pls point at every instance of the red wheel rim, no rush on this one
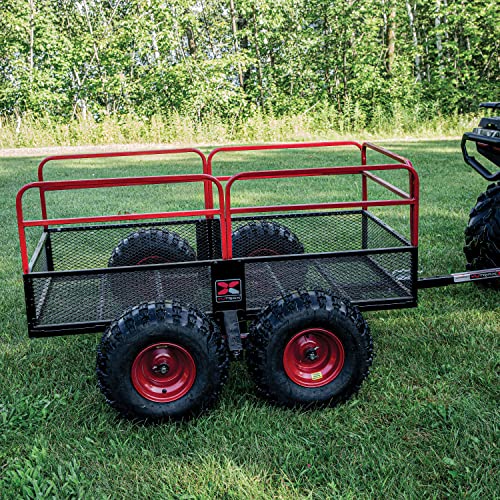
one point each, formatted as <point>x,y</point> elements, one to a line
<point>313,357</point>
<point>163,372</point>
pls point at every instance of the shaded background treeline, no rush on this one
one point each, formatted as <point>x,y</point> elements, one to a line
<point>348,60</point>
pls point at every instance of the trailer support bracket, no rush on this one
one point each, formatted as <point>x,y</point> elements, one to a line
<point>232,327</point>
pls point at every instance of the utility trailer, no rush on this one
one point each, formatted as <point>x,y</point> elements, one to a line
<point>179,293</point>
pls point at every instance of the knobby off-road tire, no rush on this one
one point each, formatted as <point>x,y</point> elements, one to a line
<point>162,361</point>
<point>295,328</point>
<point>482,235</point>
<point>151,246</point>
<point>265,238</point>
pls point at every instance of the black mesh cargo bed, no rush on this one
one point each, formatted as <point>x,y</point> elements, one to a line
<point>360,257</point>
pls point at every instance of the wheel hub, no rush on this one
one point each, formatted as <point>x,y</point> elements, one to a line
<point>311,353</point>
<point>163,372</point>
<point>313,357</point>
<point>161,368</point>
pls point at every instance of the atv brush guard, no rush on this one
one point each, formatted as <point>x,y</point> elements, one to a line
<point>487,139</point>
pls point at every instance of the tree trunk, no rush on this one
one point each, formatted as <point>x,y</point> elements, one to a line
<point>32,40</point>
<point>414,36</point>
<point>445,20</point>
<point>191,41</point>
<point>391,39</point>
<point>257,54</point>
<point>439,45</point>
<point>154,39</point>
<point>241,25</point>
<point>234,30</point>
<point>326,51</point>
<point>427,59</point>
<point>96,54</point>
<point>207,28</point>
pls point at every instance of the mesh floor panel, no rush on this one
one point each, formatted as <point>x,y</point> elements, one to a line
<point>104,296</point>
<point>358,277</point>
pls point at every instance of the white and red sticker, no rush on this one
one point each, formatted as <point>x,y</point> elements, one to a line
<point>228,290</point>
<point>475,275</point>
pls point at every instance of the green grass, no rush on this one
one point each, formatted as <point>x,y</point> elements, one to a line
<point>425,423</point>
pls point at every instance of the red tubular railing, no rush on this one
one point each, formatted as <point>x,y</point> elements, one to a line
<point>385,152</point>
<point>411,199</point>
<point>117,154</point>
<point>413,184</point>
<point>225,211</point>
<point>267,147</point>
<point>45,186</point>
<point>388,185</point>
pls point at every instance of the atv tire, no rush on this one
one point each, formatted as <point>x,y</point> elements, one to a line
<point>162,361</point>
<point>265,238</point>
<point>262,238</point>
<point>482,235</point>
<point>151,246</point>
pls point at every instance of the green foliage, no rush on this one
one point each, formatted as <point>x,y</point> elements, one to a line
<point>323,122</point>
<point>224,61</point>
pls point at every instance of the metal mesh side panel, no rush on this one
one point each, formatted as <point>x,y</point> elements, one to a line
<point>331,232</point>
<point>91,248</point>
<point>398,267</point>
<point>104,296</point>
<point>359,277</point>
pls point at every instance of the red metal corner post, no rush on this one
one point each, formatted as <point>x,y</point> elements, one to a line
<point>364,181</point>
<point>21,228</point>
<point>414,207</point>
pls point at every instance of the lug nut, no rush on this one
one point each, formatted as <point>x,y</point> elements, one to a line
<point>162,368</point>
<point>311,353</point>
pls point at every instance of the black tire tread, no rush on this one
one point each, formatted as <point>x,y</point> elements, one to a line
<point>171,312</point>
<point>174,247</point>
<point>245,237</point>
<point>482,235</point>
<point>276,312</point>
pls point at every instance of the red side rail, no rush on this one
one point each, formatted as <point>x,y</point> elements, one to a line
<point>225,211</point>
<point>411,199</point>
<point>41,166</point>
<point>44,186</point>
<point>207,163</point>
<point>385,152</point>
<point>265,147</point>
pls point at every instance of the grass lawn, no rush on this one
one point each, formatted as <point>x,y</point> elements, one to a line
<point>425,423</point>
